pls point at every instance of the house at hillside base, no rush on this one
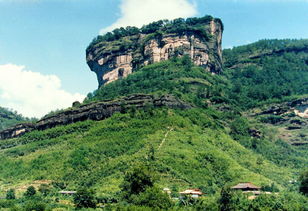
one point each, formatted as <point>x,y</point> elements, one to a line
<point>249,188</point>
<point>194,193</point>
<point>246,186</point>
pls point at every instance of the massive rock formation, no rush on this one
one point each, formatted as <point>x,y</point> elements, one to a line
<point>95,111</point>
<point>118,58</point>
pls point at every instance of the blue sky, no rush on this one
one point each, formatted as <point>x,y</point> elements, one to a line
<point>42,42</point>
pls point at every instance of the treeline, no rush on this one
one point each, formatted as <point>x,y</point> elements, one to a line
<point>179,25</point>
<point>241,54</point>
<point>9,118</point>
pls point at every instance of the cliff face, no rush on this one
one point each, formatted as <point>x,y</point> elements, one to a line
<point>95,111</point>
<point>116,59</point>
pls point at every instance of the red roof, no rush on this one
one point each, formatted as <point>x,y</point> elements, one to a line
<point>245,185</point>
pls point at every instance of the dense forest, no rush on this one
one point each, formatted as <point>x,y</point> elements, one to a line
<point>267,71</point>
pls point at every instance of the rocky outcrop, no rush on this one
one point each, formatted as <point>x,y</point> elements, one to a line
<point>290,118</point>
<point>16,130</point>
<point>114,60</point>
<point>95,111</point>
<point>297,107</point>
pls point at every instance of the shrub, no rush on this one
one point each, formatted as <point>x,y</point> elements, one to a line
<point>84,198</point>
<point>44,189</point>
<point>303,187</point>
<point>137,181</point>
<point>30,192</point>
<point>35,205</point>
<point>153,197</point>
<point>6,203</point>
<point>10,194</point>
<point>272,119</point>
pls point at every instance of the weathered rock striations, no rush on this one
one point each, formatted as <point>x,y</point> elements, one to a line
<point>291,120</point>
<point>294,106</point>
<point>16,130</point>
<point>95,111</point>
<point>116,59</point>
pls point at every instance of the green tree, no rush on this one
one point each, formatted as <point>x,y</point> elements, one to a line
<point>34,205</point>
<point>266,202</point>
<point>153,197</point>
<point>10,194</point>
<point>225,199</point>
<point>137,181</point>
<point>85,198</point>
<point>44,189</point>
<point>303,186</point>
<point>30,192</point>
<point>151,153</point>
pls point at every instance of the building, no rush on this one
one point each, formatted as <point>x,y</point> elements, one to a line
<point>246,186</point>
<point>67,192</point>
<point>194,193</point>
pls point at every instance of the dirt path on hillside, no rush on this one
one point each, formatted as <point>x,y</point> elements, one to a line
<point>165,137</point>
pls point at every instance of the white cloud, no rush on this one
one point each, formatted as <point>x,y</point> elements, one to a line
<point>31,93</point>
<point>140,12</point>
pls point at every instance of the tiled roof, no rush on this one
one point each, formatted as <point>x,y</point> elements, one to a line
<point>245,185</point>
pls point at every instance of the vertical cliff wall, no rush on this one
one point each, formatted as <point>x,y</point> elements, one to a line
<point>116,58</point>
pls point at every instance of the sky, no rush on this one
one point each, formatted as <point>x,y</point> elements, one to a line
<point>43,42</point>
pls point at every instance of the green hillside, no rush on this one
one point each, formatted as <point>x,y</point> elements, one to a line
<point>267,71</point>
<point>211,146</point>
<point>9,118</point>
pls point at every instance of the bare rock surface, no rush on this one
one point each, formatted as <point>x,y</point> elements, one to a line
<point>117,59</point>
<point>95,111</point>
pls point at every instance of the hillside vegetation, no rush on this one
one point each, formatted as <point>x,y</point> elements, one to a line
<point>9,118</point>
<point>267,71</point>
<point>157,28</point>
<point>211,146</point>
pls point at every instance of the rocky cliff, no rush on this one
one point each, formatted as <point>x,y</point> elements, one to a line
<point>200,39</point>
<point>95,111</point>
<point>290,119</point>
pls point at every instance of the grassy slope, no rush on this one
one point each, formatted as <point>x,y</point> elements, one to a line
<point>98,153</point>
